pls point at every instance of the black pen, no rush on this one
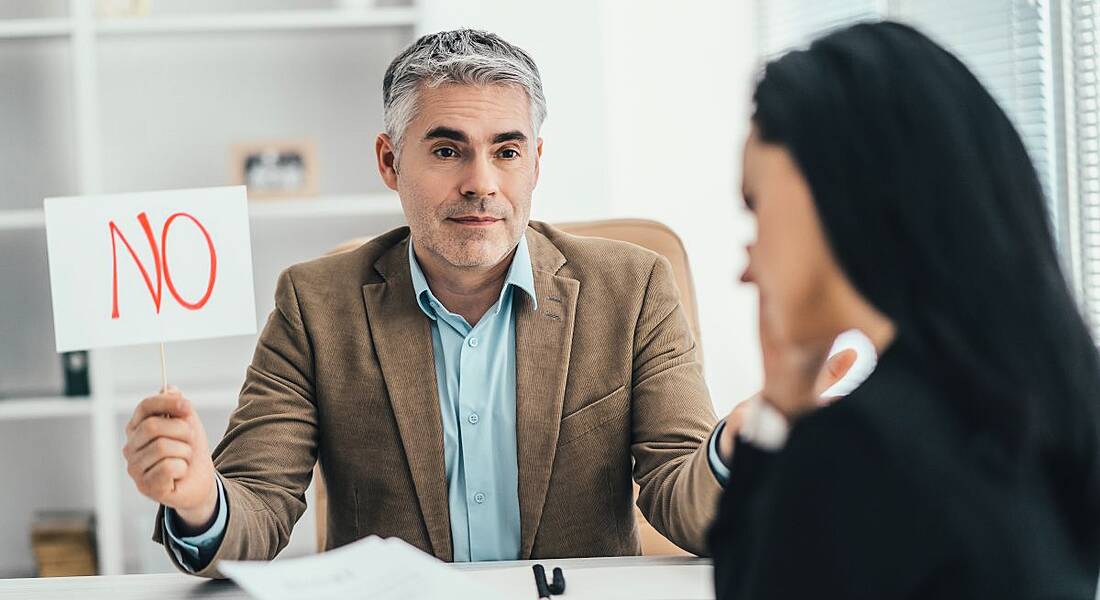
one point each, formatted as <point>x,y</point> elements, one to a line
<point>540,582</point>
<point>544,589</point>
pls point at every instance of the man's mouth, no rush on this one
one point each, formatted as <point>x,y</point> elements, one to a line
<point>474,221</point>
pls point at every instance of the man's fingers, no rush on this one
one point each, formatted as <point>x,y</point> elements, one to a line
<point>158,450</point>
<point>171,404</point>
<point>161,477</point>
<point>157,427</point>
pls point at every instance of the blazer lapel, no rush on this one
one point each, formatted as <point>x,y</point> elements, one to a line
<point>543,341</point>
<point>402,339</point>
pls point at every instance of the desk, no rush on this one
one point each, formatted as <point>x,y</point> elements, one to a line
<point>176,586</point>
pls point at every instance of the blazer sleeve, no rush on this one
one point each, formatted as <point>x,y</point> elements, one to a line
<point>266,458</point>
<point>826,517</point>
<point>672,419</point>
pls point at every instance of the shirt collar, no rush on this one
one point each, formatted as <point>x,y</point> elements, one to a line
<point>520,275</point>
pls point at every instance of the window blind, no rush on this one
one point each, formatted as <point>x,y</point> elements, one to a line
<point>786,24</point>
<point>1006,43</point>
<point>1040,59</point>
<point>1083,140</point>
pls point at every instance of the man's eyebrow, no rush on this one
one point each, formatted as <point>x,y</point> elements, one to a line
<point>510,136</point>
<point>447,133</point>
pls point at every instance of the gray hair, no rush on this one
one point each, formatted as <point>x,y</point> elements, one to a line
<point>462,56</point>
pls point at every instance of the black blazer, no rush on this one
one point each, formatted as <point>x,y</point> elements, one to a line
<point>885,494</point>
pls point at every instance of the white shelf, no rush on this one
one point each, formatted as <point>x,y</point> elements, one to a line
<point>31,218</point>
<point>355,205</point>
<point>34,28</point>
<point>210,397</point>
<point>268,21</point>
<point>44,408</point>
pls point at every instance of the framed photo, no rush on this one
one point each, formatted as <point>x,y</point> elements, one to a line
<point>123,8</point>
<point>275,169</point>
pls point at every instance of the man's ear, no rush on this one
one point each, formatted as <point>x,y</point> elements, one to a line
<point>538,158</point>
<point>387,160</point>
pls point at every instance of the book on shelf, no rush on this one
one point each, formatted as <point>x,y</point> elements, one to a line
<point>64,543</point>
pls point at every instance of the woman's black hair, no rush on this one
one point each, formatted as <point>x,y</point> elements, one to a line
<point>935,213</point>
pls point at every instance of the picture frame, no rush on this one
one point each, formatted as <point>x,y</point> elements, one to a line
<point>275,168</point>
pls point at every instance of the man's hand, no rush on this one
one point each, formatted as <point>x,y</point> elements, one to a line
<point>168,457</point>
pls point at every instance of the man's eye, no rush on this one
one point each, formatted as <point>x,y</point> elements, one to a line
<point>445,152</point>
<point>509,153</point>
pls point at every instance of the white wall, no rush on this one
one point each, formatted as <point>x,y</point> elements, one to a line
<point>678,92</point>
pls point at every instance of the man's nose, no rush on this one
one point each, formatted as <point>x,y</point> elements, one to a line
<point>480,180</point>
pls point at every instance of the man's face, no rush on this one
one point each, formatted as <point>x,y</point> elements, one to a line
<point>468,164</point>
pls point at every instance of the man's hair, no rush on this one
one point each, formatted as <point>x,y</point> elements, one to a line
<point>462,56</point>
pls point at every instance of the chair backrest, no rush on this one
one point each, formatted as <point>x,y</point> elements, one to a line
<point>648,234</point>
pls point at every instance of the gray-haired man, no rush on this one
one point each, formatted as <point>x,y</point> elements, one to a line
<point>477,384</point>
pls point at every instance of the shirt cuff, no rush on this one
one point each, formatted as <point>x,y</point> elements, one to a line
<point>719,468</point>
<point>193,552</point>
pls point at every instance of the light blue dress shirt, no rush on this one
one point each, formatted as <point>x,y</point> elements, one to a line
<point>475,369</point>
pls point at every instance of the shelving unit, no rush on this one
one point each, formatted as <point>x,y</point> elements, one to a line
<point>362,205</point>
<point>271,21</point>
<point>30,218</point>
<point>327,207</point>
<point>25,409</point>
<point>100,97</point>
<point>223,398</point>
<point>34,28</point>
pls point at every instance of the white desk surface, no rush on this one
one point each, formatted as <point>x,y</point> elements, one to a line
<point>175,586</point>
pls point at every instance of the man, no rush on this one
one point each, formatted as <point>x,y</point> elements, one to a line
<point>477,385</point>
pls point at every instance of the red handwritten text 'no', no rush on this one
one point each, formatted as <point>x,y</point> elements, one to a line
<point>160,262</point>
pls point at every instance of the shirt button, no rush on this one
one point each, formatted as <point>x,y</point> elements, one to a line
<point>473,419</point>
<point>473,342</point>
<point>479,498</point>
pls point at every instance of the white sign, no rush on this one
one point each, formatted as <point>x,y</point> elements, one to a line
<point>150,267</point>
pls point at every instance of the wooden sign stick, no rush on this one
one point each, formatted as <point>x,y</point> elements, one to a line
<point>163,371</point>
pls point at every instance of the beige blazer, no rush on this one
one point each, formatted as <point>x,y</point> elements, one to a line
<point>608,385</point>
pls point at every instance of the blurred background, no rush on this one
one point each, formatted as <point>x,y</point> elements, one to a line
<point>648,106</point>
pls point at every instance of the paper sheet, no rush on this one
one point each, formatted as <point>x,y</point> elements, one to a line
<point>370,568</point>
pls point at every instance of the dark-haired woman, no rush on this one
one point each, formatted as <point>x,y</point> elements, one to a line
<point>894,196</point>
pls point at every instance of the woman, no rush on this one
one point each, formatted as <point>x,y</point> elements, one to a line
<point>893,196</point>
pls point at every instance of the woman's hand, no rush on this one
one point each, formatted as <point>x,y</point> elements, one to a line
<point>795,377</point>
<point>794,380</point>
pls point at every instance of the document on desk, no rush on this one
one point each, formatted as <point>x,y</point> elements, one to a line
<point>371,568</point>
